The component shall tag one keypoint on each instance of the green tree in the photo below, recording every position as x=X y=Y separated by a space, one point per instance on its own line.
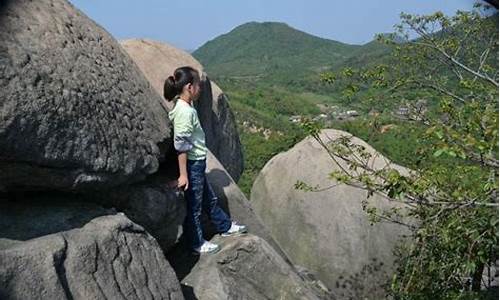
x=452 y=194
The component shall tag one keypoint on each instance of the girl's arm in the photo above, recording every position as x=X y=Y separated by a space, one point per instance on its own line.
x=183 y=178
x=183 y=129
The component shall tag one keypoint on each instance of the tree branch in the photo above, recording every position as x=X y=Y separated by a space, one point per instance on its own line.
x=452 y=59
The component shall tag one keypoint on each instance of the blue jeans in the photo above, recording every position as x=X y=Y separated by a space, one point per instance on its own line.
x=200 y=195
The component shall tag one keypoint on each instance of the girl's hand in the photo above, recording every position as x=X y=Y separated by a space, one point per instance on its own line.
x=183 y=182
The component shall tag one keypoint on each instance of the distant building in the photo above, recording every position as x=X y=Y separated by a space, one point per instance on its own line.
x=295 y=119
x=349 y=114
x=403 y=111
x=352 y=113
x=320 y=117
x=413 y=111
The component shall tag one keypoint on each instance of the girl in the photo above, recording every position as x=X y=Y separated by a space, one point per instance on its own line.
x=189 y=141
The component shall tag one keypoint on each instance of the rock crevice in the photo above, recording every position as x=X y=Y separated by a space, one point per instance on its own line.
x=59 y=260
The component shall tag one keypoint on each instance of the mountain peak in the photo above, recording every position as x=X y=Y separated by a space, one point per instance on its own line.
x=278 y=28
x=255 y=48
x=265 y=24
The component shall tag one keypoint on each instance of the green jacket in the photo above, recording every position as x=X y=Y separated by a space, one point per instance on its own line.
x=188 y=135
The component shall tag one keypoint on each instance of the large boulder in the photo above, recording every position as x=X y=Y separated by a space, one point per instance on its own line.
x=158 y=61
x=72 y=250
x=219 y=123
x=156 y=204
x=327 y=231
x=75 y=111
x=246 y=267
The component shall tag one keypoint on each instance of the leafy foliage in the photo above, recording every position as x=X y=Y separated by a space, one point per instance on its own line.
x=446 y=80
x=453 y=192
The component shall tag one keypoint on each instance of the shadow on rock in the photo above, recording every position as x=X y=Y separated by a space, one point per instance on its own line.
x=181 y=259
x=25 y=216
x=155 y=203
x=188 y=292
x=370 y=280
x=219 y=178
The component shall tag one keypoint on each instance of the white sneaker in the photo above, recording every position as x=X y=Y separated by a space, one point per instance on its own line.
x=235 y=229
x=207 y=247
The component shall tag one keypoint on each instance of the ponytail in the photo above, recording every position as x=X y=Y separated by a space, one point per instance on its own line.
x=169 y=88
x=174 y=84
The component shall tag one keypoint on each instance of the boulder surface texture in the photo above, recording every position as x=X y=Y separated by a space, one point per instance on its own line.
x=109 y=257
x=75 y=112
x=327 y=231
x=246 y=268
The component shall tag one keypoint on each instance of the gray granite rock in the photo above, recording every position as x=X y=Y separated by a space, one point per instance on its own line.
x=327 y=232
x=108 y=258
x=247 y=267
x=220 y=128
x=75 y=112
x=156 y=204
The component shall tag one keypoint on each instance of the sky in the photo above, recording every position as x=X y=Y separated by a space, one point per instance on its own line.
x=190 y=24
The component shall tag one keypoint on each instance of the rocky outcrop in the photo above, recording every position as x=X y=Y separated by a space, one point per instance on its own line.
x=77 y=115
x=247 y=268
x=75 y=111
x=82 y=135
x=158 y=61
x=219 y=124
x=156 y=204
x=326 y=231
x=109 y=257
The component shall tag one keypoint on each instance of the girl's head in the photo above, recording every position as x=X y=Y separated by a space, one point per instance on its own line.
x=185 y=83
